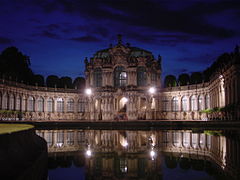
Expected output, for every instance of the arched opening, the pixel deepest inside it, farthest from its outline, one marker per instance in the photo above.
(141, 76)
(120, 76)
(97, 77)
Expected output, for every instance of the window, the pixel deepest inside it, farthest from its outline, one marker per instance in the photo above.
(207, 101)
(81, 137)
(202, 140)
(193, 103)
(40, 104)
(50, 105)
(60, 138)
(1, 101)
(49, 138)
(60, 105)
(5, 102)
(175, 104)
(81, 105)
(186, 139)
(18, 103)
(194, 140)
(184, 103)
(70, 105)
(200, 103)
(31, 103)
(97, 77)
(165, 104)
(24, 103)
(154, 78)
(176, 138)
(120, 77)
(70, 138)
(11, 102)
(123, 165)
(141, 76)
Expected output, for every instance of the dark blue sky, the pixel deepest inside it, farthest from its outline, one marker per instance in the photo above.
(58, 34)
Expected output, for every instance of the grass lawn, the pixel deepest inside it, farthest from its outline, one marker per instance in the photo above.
(10, 128)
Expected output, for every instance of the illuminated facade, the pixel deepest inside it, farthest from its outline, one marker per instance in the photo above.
(123, 83)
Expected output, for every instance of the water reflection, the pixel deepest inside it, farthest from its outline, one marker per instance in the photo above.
(109, 154)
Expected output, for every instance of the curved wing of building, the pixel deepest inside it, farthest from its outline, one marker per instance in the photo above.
(123, 83)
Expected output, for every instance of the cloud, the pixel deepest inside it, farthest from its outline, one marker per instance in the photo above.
(86, 38)
(48, 34)
(4, 40)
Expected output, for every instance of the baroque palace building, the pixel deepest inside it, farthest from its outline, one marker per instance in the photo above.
(124, 83)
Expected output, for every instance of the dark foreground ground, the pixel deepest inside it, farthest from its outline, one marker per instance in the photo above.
(131, 125)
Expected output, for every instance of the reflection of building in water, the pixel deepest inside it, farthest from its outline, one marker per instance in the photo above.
(129, 151)
(125, 84)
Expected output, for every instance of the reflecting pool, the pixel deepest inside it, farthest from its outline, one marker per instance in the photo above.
(154, 154)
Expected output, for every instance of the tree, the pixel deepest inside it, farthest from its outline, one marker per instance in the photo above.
(39, 79)
(52, 81)
(66, 82)
(183, 79)
(196, 78)
(170, 81)
(14, 65)
(79, 83)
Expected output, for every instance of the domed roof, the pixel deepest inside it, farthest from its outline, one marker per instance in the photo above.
(134, 52)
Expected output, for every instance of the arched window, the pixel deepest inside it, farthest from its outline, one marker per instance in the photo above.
(97, 77)
(1, 101)
(186, 139)
(200, 103)
(50, 105)
(207, 101)
(141, 76)
(49, 138)
(176, 138)
(202, 141)
(60, 105)
(31, 104)
(18, 103)
(5, 102)
(70, 105)
(184, 103)
(81, 105)
(193, 103)
(175, 104)
(194, 140)
(24, 99)
(165, 103)
(154, 78)
(11, 102)
(120, 77)
(40, 104)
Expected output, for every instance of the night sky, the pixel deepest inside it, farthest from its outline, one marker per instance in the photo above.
(59, 34)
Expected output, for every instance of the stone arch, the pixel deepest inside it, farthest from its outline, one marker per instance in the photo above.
(40, 104)
(70, 105)
(200, 102)
(60, 104)
(184, 103)
(31, 103)
(193, 103)
(50, 104)
(174, 104)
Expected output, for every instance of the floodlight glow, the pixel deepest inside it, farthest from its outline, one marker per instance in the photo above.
(89, 153)
(88, 91)
(152, 90)
(152, 153)
(124, 100)
(125, 144)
